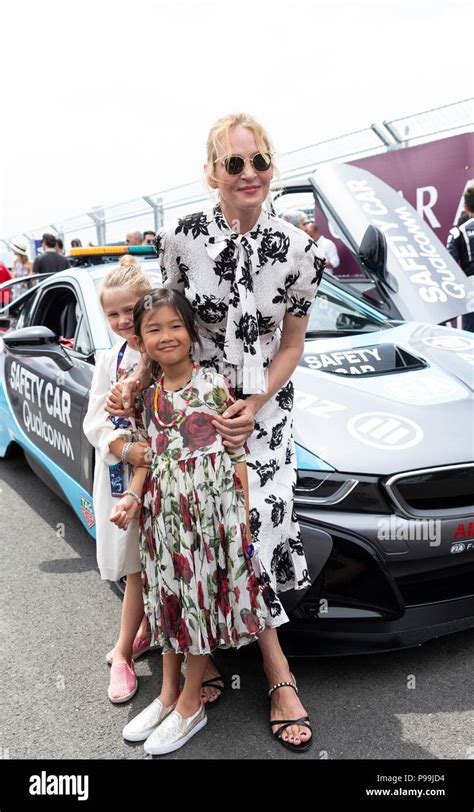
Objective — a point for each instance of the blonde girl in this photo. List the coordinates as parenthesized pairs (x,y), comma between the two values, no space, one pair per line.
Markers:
(117,446)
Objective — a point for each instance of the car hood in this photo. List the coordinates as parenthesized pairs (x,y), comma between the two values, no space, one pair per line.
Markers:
(423,280)
(388,401)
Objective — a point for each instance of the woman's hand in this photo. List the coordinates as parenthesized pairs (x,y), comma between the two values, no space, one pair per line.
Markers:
(239,424)
(124,511)
(139,455)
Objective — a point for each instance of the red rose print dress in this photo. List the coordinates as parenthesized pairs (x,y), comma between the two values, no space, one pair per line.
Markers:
(200,589)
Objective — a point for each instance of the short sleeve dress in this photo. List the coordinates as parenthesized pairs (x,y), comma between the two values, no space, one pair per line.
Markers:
(241,286)
(200,589)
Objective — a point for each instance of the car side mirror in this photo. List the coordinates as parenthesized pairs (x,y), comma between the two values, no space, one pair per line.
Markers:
(373,251)
(37,342)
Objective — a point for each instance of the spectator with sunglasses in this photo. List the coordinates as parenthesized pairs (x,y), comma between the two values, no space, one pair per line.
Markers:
(149,237)
(252,279)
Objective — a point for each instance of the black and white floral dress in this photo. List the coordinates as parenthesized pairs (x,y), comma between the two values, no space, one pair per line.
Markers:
(241,286)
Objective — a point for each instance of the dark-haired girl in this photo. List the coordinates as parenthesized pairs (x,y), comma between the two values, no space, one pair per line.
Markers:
(200,589)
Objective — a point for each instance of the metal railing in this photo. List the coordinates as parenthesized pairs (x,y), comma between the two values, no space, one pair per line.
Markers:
(105,224)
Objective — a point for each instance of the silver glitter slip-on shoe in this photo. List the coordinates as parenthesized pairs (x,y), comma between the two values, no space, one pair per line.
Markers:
(175,731)
(147,721)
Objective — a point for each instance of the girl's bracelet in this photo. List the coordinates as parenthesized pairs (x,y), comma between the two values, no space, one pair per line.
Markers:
(125,452)
(135,496)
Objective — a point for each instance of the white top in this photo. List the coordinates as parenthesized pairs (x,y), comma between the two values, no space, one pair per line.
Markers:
(117,550)
(328,247)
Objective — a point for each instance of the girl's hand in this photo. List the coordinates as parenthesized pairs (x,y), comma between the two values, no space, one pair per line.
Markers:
(124,511)
(239,424)
(139,455)
(120,394)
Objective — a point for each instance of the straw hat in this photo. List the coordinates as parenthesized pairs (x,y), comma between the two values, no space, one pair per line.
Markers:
(20,248)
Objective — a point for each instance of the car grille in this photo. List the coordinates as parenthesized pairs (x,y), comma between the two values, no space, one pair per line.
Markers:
(447,491)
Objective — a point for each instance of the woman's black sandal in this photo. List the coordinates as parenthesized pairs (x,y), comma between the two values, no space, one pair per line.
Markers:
(303,722)
(211,683)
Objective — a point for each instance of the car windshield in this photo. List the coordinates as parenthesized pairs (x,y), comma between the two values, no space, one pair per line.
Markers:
(336,312)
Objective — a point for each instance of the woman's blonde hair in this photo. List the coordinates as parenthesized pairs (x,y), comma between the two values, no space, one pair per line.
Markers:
(129,274)
(219,135)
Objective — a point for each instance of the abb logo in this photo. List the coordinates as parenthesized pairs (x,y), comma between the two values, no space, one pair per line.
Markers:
(464,531)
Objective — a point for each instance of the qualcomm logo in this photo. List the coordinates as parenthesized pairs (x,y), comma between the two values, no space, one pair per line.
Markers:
(391,432)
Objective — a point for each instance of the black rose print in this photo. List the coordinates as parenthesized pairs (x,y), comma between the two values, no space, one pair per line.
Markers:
(246,278)
(319,265)
(298,306)
(184,271)
(266,471)
(196,223)
(291,279)
(255,524)
(281,564)
(259,430)
(278,509)
(210,309)
(305,580)
(269,596)
(280,298)
(285,397)
(277,434)
(296,545)
(247,331)
(218,339)
(273,246)
(265,324)
(234,296)
(226,263)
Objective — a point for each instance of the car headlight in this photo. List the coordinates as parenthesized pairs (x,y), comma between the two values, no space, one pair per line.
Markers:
(320,485)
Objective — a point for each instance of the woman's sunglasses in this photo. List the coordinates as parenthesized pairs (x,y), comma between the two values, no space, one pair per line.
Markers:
(234,164)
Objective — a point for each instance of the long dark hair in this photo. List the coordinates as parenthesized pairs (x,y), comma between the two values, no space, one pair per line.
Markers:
(164,297)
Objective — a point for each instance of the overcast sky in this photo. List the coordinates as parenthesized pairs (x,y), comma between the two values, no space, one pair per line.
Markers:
(105,100)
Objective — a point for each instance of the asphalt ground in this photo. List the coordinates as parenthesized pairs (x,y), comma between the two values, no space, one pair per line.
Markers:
(59,618)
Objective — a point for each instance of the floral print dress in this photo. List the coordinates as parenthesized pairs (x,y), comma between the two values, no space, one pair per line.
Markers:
(241,286)
(200,590)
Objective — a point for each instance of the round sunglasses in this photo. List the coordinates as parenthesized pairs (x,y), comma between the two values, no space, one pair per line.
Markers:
(234,164)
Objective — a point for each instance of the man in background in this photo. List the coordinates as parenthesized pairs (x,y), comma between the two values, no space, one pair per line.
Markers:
(134,238)
(461,237)
(149,237)
(328,247)
(50,261)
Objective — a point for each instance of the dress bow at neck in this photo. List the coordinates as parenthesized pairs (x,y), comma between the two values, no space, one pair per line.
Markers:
(242,341)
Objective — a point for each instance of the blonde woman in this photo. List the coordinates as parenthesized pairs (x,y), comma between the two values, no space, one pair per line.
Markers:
(21,266)
(117,444)
(252,280)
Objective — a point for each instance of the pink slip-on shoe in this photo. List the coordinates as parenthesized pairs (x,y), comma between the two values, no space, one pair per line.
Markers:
(123,682)
(139,647)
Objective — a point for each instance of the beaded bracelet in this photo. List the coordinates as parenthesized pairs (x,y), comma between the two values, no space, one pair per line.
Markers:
(125,452)
(135,496)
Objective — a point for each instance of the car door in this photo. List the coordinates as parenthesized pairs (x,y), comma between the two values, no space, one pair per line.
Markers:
(47,400)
